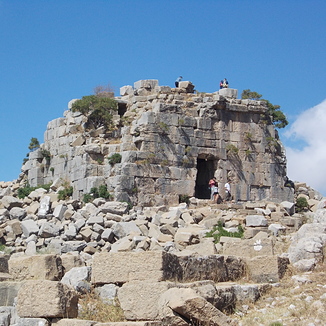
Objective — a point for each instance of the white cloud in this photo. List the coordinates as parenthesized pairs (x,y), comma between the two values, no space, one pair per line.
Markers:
(309,163)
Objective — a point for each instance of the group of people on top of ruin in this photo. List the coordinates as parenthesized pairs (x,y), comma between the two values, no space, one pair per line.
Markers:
(215,196)
(223,83)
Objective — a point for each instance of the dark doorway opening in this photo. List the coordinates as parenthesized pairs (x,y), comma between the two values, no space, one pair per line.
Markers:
(205,171)
(122,108)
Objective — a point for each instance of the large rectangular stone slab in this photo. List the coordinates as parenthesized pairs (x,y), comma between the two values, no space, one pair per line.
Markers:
(139,299)
(43,267)
(122,267)
(267,269)
(46,299)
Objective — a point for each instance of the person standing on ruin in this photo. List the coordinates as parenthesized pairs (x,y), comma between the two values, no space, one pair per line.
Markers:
(225,83)
(178,80)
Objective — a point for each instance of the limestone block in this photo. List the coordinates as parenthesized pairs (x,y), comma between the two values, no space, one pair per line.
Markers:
(204,123)
(9,202)
(187,85)
(38,267)
(107,235)
(214,267)
(16,227)
(189,235)
(228,92)
(48,230)
(114,207)
(249,293)
(32,208)
(29,227)
(123,245)
(288,206)
(107,292)
(256,220)
(78,278)
(144,305)
(277,229)
(267,269)
(45,205)
(59,211)
(79,141)
(76,322)
(187,303)
(124,267)
(148,84)
(71,260)
(47,299)
(126,90)
(95,219)
(32,322)
(122,229)
(205,247)
(249,248)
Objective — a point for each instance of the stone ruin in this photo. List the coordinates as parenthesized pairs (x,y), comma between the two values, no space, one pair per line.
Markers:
(171,142)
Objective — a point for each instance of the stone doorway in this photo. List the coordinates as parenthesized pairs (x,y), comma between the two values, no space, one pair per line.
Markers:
(205,171)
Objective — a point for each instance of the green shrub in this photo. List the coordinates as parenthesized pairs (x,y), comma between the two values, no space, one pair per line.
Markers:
(184,199)
(87,198)
(301,204)
(218,231)
(65,193)
(95,192)
(98,110)
(34,144)
(27,189)
(115,158)
(232,149)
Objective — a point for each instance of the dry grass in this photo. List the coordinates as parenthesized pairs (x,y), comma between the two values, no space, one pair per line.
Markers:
(91,307)
(291,303)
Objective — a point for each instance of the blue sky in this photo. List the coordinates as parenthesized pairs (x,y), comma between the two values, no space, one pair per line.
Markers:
(56,50)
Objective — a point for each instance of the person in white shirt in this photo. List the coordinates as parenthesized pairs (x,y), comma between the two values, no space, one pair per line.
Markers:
(227,191)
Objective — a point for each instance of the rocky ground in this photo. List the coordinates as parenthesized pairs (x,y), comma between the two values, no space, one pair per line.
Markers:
(297,300)
(95,245)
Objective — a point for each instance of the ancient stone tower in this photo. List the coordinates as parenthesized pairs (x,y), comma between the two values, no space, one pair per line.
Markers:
(171,141)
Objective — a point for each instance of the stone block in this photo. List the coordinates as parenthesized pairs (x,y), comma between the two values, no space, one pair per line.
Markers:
(266,269)
(214,267)
(74,322)
(249,248)
(32,322)
(126,90)
(187,303)
(122,267)
(148,84)
(228,92)
(256,220)
(145,308)
(46,299)
(29,227)
(39,267)
(45,205)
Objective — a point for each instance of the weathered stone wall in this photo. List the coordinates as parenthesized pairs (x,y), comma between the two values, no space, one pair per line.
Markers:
(171,142)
